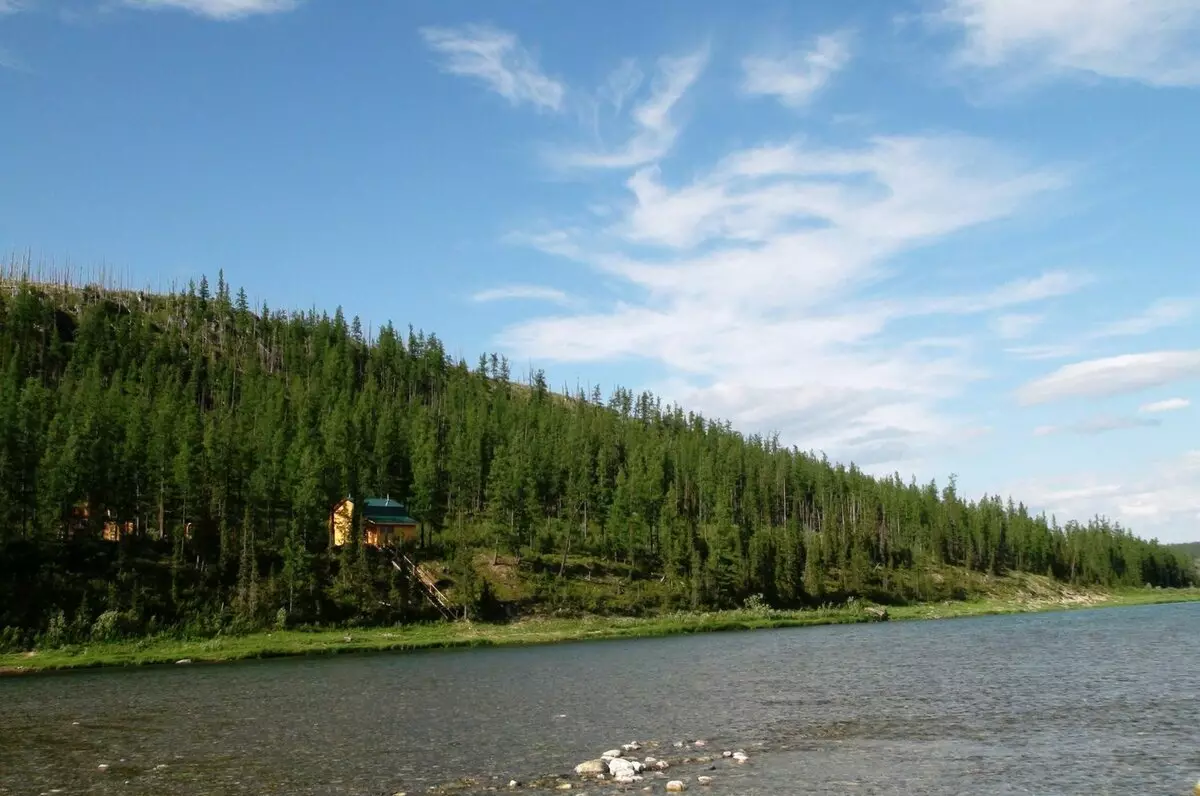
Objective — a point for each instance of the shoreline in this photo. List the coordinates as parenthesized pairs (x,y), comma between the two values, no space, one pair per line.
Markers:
(533,631)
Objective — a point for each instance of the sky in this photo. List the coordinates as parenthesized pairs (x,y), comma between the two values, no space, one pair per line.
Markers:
(931,237)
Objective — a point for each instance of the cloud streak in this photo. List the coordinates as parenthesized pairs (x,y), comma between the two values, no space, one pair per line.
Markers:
(797,78)
(1099,424)
(1147,41)
(522,293)
(223,10)
(496,58)
(1098,378)
(655,126)
(1168,405)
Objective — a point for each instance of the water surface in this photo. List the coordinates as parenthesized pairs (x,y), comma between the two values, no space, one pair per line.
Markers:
(1090,702)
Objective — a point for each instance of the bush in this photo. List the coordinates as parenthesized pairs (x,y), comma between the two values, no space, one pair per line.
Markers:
(56,632)
(110,626)
(11,639)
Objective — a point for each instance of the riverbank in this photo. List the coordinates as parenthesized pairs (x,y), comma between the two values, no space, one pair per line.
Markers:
(447,635)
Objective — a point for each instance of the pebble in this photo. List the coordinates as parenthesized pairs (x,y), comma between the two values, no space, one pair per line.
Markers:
(103,766)
(676,786)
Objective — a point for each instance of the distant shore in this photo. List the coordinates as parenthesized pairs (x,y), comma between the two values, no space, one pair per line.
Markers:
(445,635)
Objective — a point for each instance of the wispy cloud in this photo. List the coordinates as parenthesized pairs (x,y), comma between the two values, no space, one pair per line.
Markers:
(752,286)
(1159,315)
(217,9)
(795,79)
(497,58)
(655,128)
(11,6)
(1099,424)
(1014,326)
(1163,501)
(1148,41)
(1112,376)
(1168,405)
(523,292)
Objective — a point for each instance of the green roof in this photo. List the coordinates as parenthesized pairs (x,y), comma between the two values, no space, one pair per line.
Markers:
(385,511)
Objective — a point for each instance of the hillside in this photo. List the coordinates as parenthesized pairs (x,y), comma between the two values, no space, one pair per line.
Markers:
(1190,550)
(214,439)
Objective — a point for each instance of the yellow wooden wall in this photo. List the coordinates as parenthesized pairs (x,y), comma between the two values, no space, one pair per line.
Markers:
(342,515)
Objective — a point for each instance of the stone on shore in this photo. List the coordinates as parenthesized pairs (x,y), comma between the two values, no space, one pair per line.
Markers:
(598,766)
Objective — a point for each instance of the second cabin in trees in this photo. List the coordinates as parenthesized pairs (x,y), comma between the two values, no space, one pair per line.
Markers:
(384,522)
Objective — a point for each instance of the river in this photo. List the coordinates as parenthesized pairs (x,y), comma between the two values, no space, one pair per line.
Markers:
(1089,702)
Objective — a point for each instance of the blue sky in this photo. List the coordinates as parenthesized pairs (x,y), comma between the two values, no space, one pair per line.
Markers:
(944,236)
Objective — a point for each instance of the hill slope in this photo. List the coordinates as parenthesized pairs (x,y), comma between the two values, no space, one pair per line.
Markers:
(221,437)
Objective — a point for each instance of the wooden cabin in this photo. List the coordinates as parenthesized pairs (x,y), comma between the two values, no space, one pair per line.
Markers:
(384,522)
(111,530)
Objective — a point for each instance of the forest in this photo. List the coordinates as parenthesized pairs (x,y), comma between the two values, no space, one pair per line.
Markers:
(217,437)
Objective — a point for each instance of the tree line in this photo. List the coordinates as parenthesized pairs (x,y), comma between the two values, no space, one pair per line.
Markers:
(218,437)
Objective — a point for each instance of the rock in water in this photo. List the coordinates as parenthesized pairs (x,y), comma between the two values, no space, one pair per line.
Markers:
(727,753)
(700,743)
(740,756)
(676,786)
(611,753)
(704,780)
(599,766)
(631,747)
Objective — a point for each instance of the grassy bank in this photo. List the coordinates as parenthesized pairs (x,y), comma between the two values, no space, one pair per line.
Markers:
(543,631)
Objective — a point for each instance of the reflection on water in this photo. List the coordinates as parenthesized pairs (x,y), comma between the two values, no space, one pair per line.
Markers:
(1095,702)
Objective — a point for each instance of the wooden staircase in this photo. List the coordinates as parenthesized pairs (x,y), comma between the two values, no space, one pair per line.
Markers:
(428,584)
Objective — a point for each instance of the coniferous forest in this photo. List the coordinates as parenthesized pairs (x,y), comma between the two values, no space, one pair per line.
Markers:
(218,436)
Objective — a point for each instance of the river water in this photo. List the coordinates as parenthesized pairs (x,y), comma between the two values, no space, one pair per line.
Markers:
(1091,702)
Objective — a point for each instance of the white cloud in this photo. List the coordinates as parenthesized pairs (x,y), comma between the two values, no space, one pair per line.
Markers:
(1149,41)
(1044,351)
(795,79)
(758,302)
(1162,503)
(522,292)
(1112,376)
(1013,326)
(1162,314)
(1159,315)
(1099,424)
(497,58)
(654,123)
(218,9)
(1168,405)
(11,6)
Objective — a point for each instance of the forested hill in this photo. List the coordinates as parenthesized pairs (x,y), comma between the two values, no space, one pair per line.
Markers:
(1189,549)
(221,435)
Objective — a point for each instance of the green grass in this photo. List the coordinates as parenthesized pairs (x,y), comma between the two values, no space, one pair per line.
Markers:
(1037,597)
